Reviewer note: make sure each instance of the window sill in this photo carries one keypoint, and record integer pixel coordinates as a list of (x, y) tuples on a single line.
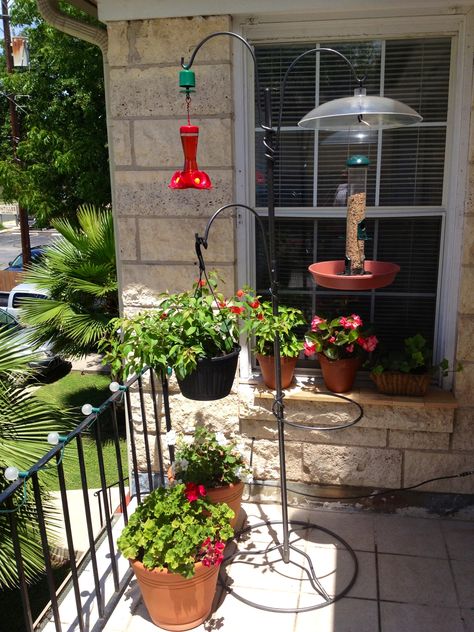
[(367, 395)]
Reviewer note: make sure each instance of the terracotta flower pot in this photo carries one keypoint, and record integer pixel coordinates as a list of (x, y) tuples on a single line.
[(174, 602), (267, 365), (339, 375), (230, 494)]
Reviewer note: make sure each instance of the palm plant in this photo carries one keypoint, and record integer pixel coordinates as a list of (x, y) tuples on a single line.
[(25, 422), (78, 274)]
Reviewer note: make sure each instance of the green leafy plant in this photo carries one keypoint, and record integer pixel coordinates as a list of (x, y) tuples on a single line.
[(25, 422), (185, 327), (415, 357), (209, 458), (78, 274), (259, 321), (340, 338), (175, 527)]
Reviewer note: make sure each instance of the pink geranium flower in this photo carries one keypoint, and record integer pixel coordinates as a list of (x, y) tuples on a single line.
[(317, 320)]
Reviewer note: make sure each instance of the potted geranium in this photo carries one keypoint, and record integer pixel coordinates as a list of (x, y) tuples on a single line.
[(191, 333), (408, 371), (340, 345), (260, 322), (211, 459), (175, 541)]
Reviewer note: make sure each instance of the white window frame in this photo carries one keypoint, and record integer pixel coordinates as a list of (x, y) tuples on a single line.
[(266, 29)]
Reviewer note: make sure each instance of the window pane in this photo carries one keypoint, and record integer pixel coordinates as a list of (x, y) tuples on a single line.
[(414, 244), (417, 73), (332, 172), (272, 63), (293, 170), (412, 167), (336, 78)]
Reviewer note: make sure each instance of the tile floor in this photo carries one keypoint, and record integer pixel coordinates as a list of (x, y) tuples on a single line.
[(416, 574)]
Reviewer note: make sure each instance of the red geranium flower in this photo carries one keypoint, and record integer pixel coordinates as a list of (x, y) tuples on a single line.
[(193, 491), (236, 310), (254, 304), (240, 293)]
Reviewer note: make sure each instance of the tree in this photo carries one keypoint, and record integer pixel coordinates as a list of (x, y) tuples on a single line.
[(25, 422), (63, 139), (78, 273)]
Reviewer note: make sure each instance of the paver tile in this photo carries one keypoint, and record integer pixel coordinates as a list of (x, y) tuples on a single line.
[(396, 617), (418, 580), (409, 536)]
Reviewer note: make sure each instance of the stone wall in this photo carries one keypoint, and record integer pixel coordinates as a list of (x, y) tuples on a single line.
[(156, 225), (397, 443)]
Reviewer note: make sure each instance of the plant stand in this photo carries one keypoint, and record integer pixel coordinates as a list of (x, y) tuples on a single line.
[(386, 116)]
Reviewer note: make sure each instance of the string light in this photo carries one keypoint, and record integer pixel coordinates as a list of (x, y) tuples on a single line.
[(54, 438), (115, 386), (88, 409), (12, 473)]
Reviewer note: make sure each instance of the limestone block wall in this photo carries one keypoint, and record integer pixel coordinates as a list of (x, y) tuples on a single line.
[(156, 225)]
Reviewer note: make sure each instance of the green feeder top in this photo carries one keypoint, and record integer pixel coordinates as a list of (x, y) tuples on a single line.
[(358, 161), (187, 79)]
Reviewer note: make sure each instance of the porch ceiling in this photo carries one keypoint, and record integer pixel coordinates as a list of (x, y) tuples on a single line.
[(110, 10)]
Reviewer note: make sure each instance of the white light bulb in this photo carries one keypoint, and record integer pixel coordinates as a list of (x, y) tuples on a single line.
[(114, 387), (86, 409), (11, 473), (53, 438)]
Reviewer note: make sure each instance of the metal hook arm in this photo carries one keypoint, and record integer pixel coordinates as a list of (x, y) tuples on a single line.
[(203, 241), (241, 39)]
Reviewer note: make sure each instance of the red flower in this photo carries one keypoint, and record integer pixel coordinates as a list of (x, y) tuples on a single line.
[(222, 304), (193, 491), (350, 348), (260, 316), (240, 293), (309, 348), (356, 321), (332, 339), (254, 304), (237, 310)]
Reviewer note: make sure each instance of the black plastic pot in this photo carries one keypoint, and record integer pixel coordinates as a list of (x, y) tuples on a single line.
[(212, 379)]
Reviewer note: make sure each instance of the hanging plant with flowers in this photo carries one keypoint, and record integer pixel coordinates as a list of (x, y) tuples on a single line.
[(339, 338)]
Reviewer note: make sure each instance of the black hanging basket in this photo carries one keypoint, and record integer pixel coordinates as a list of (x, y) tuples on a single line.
[(212, 379)]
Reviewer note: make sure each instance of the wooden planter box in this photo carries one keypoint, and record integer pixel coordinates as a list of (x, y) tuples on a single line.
[(395, 383)]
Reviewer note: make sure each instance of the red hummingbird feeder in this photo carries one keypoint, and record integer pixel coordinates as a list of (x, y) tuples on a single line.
[(190, 177)]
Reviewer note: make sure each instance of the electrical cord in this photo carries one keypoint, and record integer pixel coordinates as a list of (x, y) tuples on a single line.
[(371, 495)]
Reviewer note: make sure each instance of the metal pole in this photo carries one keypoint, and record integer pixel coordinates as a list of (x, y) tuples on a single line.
[(15, 128), (278, 403)]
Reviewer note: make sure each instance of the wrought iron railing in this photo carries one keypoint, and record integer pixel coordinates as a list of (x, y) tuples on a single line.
[(146, 472)]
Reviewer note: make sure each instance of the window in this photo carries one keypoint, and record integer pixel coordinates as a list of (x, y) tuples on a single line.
[(405, 193)]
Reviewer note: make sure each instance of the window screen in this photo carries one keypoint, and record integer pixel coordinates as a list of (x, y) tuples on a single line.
[(406, 174)]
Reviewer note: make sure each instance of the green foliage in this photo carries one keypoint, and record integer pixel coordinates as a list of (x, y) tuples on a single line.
[(210, 459), (78, 274), (415, 357), (25, 422), (185, 327), (259, 321), (340, 338), (63, 144), (168, 531)]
